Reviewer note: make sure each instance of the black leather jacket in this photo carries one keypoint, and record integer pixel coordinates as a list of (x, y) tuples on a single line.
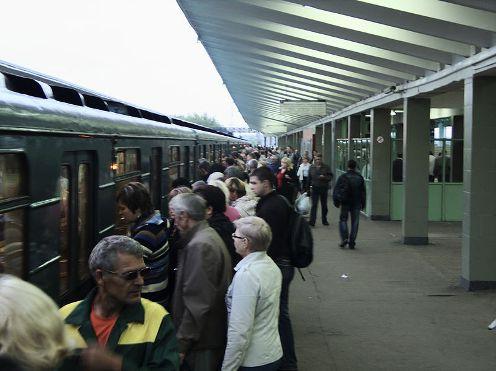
[(356, 197)]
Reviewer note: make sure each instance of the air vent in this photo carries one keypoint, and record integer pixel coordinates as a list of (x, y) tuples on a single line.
[(23, 85), (66, 95), (95, 102)]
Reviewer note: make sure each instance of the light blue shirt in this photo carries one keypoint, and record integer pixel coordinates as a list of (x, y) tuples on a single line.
[(252, 302)]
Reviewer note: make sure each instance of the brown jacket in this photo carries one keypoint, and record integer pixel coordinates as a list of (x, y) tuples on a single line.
[(203, 276)]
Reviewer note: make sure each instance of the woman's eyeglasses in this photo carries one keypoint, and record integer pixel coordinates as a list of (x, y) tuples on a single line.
[(131, 275), (238, 237)]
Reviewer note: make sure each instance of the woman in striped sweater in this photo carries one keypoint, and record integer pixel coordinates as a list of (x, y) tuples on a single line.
[(148, 228)]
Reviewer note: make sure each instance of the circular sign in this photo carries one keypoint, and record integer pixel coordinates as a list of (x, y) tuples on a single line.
[(380, 139)]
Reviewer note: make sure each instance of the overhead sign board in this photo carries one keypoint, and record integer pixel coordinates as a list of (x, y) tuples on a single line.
[(303, 107)]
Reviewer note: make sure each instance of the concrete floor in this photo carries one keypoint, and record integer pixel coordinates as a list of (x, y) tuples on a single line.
[(400, 309)]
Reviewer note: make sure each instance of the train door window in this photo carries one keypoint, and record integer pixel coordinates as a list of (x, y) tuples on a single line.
[(174, 164), (204, 151), (187, 165), (76, 229), (156, 176), (126, 169), (64, 228), (83, 228), (12, 190)]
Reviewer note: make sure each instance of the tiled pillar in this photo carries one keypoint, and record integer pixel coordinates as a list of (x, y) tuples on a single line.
[(380, 161), (353, 132), (327, 157), (479, 179), (416, 126)]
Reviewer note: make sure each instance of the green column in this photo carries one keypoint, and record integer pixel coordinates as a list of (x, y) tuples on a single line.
[(380, 160), (416, 128), (479, 178)]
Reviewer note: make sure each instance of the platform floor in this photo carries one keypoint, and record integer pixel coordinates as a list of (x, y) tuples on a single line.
[(400, 309)]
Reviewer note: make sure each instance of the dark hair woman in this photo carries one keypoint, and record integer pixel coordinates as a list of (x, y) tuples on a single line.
[(148, 228), (216, 206)]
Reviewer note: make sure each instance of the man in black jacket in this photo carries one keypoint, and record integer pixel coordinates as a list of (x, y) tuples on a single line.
[(275, 210), (319, 177), (349, 193)]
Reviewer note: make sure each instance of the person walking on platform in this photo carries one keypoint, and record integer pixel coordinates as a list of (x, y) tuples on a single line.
[(319, 177), (152, 232), (350, 195), (114, 327), (203, 276), (274, 209)]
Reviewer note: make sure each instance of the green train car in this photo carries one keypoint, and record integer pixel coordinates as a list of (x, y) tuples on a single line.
[(64, 154)]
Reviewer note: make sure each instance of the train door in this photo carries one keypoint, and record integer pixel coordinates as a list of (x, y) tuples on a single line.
[(76, 182), (156, 177)]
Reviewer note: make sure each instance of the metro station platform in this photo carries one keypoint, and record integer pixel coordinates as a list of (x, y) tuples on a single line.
[(401, 307)]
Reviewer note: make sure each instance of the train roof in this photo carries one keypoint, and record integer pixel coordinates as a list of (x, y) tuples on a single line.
[(57, 106)]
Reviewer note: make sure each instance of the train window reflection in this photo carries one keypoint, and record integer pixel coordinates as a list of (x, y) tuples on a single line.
[(127, 161), (64, 226), (83, 230), (12, 242), (175, 154), (11, 176)]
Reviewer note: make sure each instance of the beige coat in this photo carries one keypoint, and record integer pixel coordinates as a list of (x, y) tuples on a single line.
[(203, 276)]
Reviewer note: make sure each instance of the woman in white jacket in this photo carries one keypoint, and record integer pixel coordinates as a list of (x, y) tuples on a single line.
[(252, 301), (303, 174)]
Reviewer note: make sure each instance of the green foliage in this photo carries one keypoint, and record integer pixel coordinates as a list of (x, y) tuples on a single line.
[(201, 119)]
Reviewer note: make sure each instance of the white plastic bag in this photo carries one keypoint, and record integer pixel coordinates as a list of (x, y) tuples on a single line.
[(303, 204)]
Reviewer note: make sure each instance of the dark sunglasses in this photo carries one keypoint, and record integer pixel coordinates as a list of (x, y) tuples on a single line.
[(238, 237), (131, 275)]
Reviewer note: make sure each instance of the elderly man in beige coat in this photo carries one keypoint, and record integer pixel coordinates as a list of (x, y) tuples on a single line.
[(202, 278)]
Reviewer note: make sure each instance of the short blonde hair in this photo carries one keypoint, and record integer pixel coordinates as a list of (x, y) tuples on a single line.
[(288, 161), (256, 230), (31, 329)]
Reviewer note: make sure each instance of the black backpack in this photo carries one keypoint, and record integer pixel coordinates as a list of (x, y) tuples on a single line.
[(342, 191), (300, 239)]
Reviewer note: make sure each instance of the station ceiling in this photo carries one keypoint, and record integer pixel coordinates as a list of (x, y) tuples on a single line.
[(340, 51)]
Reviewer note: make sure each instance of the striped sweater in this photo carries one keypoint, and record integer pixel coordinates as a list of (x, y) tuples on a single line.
[(152, 232)]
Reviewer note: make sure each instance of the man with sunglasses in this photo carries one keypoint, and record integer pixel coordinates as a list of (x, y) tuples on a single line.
[(113, 327)]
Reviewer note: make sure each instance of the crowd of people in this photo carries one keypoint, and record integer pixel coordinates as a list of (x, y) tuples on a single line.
[(203, 288)]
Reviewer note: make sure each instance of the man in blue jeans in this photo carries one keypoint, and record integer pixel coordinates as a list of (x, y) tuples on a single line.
[(274, 209), (350, 195)]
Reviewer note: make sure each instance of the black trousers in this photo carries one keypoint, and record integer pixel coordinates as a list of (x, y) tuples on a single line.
[(319, 193)]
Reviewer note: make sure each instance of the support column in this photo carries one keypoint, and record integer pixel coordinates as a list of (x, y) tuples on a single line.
[(318, 138), (328, 144), (353, 132), (479, 177), (380, 161), (416, 126), (335, 126)]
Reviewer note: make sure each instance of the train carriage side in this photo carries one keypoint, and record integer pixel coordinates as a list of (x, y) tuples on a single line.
[(60, 168)]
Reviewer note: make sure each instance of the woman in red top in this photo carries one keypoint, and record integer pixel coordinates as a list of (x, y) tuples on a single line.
[(287, 180)]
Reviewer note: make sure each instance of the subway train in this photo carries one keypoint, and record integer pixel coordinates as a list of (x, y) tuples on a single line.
[(65, 152)]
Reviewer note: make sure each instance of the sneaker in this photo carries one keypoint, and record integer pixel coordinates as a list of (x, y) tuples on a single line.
[(351, 246), (325, 222), (343, 244), (312, 224)]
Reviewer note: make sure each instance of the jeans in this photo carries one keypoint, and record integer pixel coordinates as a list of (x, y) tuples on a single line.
[(268, 367), (288, 361), (319, 192), (354, 211)]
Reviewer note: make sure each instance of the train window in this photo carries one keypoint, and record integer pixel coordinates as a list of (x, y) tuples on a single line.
[(64, 226), (210, 153), (127, 161), (83, 223), (12, 176), (175, 154), (12, 241), (12, 185)]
